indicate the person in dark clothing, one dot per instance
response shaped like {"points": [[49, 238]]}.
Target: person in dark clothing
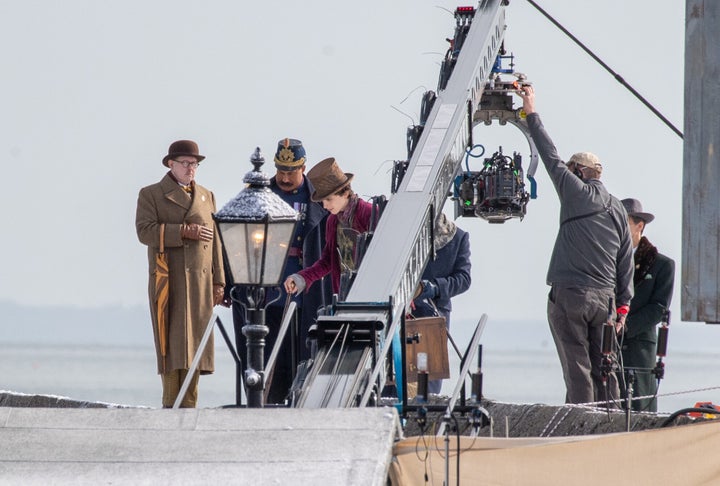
{"points": [[654, 279], [444, 277], [349, 217], [291, 184], [591, 268]]}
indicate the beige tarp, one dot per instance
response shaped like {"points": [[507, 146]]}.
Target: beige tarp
{"points": [[676, 455]]}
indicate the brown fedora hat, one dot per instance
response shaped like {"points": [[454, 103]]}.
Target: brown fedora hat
{"points": [[327, 178], [180, 148]]}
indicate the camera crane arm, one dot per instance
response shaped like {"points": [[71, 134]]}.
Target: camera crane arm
{"points": [[402, 243]]}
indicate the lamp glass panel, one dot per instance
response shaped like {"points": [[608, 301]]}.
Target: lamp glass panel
{"points": [[241, 250], [278, 242]]}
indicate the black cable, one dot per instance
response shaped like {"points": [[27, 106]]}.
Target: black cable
{"points": [[672, 417], [620, 371], [609, 398], [653, 399], [426, 458], [617, 77]]}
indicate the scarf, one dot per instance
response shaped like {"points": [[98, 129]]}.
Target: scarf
{"points": [[346, 215], [444, 231], [644, 259]]}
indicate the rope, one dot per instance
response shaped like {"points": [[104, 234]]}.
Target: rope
{"points": [[656, 395], [688, 391], [542, 434], [592, 405]]}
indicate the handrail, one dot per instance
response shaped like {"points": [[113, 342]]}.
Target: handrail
{"points": [[196, 360], [287, 316], [469, 355]]}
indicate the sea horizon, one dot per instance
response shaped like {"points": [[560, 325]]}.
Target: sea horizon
{"points": [[106, 355], [126, 375]]}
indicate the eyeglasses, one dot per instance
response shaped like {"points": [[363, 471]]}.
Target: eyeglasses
{"points": [[187, 164]]}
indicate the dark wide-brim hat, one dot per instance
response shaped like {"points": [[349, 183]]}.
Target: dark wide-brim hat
{"points": [[634, 208], [180, 148], [327, 178], [290, 154]]}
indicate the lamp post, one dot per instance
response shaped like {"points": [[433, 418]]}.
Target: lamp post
{"points": [[256, 229]]}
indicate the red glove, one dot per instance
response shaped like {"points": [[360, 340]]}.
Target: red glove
{"points": [[621, 314]]}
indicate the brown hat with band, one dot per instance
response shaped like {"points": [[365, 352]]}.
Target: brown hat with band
{"points": [[180, 148], [327, 178]]}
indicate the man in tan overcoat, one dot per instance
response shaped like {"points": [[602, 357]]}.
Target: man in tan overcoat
{"points": [[181, 211]]}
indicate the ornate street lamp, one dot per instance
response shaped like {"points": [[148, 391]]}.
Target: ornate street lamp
{"points": [[256, 229]]}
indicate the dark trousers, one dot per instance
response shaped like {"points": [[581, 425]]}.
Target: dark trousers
{"points": [[640, 355], [576, 318]]}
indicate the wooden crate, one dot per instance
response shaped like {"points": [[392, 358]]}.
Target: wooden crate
{"points": [[432, 339]]}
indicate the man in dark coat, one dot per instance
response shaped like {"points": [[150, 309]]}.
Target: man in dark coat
{"points": [[176, 214], [654, 279], [291, 184], [444, 277]]}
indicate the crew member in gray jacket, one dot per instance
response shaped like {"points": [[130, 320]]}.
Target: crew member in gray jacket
{"points": [[591, 267]]}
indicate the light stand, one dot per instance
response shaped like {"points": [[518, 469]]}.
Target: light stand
{"points": [[607, 349], [658, 370], [629, 397], [445, 426], [606, 367], [662, 343], [256, 229], [661, 349]]}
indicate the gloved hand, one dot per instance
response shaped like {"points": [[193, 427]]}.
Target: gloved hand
{"points": [[294, 283], [218, 295], [621, 315], [194, 231], [429, 290]]}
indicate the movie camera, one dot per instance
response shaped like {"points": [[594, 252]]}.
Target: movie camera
{"points": [[496, 193]]}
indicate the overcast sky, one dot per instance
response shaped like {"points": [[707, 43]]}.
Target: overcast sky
{"points": [[93, 92]]}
